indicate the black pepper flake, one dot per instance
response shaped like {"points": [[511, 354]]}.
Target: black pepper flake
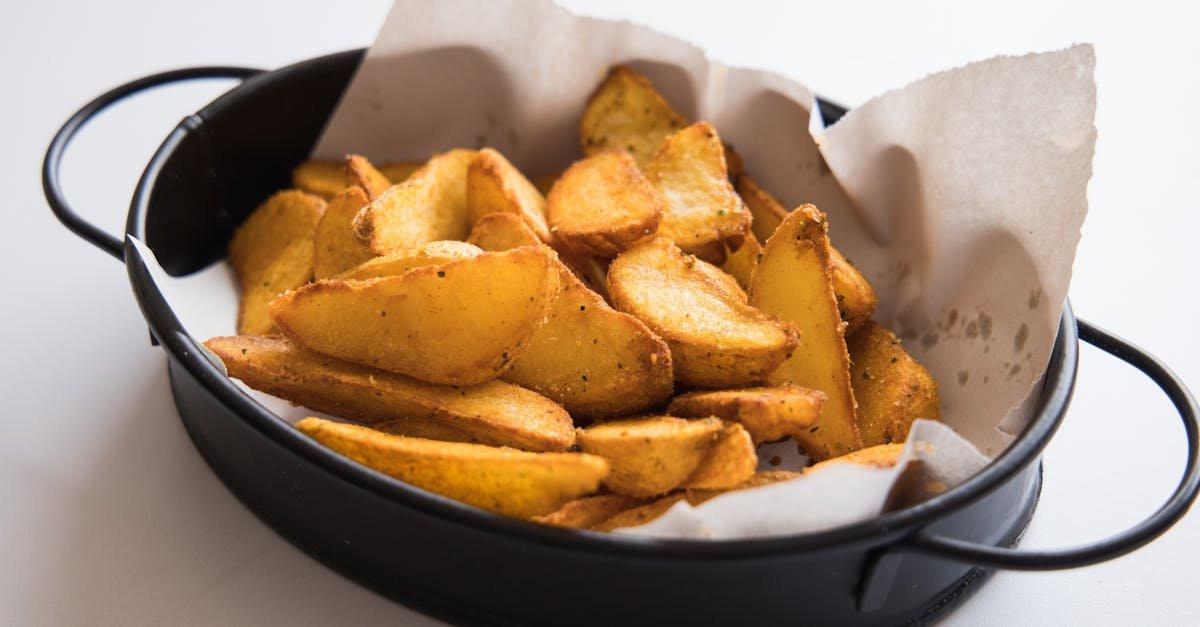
{"points": [[759, 257], [243, 351], [894, 359], [815, 429], [584, 378], [441, 273], [582, 307]]}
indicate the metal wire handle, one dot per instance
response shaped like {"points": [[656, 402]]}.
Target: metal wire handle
{"points": [[51, 185]]}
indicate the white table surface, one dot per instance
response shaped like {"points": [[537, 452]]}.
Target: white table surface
{"points": [[109, 516]]}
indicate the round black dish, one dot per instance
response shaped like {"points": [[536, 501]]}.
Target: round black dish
{"points": [[471, 566]]}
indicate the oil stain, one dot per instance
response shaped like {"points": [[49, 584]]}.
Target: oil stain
{"points": [[972, 329], [951, 318], [1019, 340], [985, 326], [929, 340], [963, 375], [1035, 298]]}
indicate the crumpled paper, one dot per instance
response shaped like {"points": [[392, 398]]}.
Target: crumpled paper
{"points": [[959, 196]]}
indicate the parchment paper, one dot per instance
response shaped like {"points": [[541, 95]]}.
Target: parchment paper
{"points": [[959, 196]]}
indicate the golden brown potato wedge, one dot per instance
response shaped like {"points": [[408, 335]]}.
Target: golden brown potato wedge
{"points": [[503, 480], [891, 388], [458, 323], [769, 414], [429, 254], [879, 456], [399, 171], [320, 178], [272, 252], [596, 361], [430, 205], [502, 231], [740, 263], [602, 204], [701, 211], [496, 413], [793, 281], [335, 248], [716, 339], [650, 456], [766, 212], [360, 172], [589, 510], [626, 112], [730, 461], [642, 514], [495, 186]]}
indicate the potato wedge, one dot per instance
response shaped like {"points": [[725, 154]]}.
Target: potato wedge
{"points": [[496, 413], [855, 297], [650, 456], [502, 231], [701, 211], [891, 388], [399, 171], [325, 179], [643, 514], [360, 172], [716, 339], [740, 263], [430, 205], [503, 480], [335, 248], [602, 204], [793, 281], [878, 456], [626, 112], [730, 461], [429, 254], [458, 323], [495, 186], [272, 252], [589, 510], [769, 414], [596, 361]]}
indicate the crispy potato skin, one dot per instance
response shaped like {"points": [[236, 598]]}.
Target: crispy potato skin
{"points": [[502, 231], [793, 281], [496, 413], [589, 510], [430, 254], [652, 455], [360, 173], [892, 389], [767, 413], [272, 252], [716, 339], [325, 179], [430, 205], [878, 456], [643, 514], [602, 204], [457, 323], [766, 212], [701, 211], [740, 263], [503, 480], [626, 112], [399, 171], [730, 461], [495, 186], [334, 246]]}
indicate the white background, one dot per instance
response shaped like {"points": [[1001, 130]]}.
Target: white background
{"points": [[108, 515]]}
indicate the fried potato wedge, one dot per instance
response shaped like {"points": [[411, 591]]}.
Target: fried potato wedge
{"points": [[643, 514], [716, 339], [878, 456], [602, 204], [430, 205], [793, 281], [495, 186], [495, 412], [360, 172], [429, 254], [891, 388], [503, 480], [626, 112], [855, 297], [325, 179], [730, 461], [596, 361], [399, 171], [740, 263], [272, 252], [502, 231], [650, 456], [701, 211], [457, 323], [335, 248], [767, 413], [589, 510]]}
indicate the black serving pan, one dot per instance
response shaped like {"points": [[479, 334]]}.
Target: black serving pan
{"points": [[471, 566]]}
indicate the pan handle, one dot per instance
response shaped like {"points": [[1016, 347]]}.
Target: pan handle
{"points": [[1124, 542], [54, 154]]}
